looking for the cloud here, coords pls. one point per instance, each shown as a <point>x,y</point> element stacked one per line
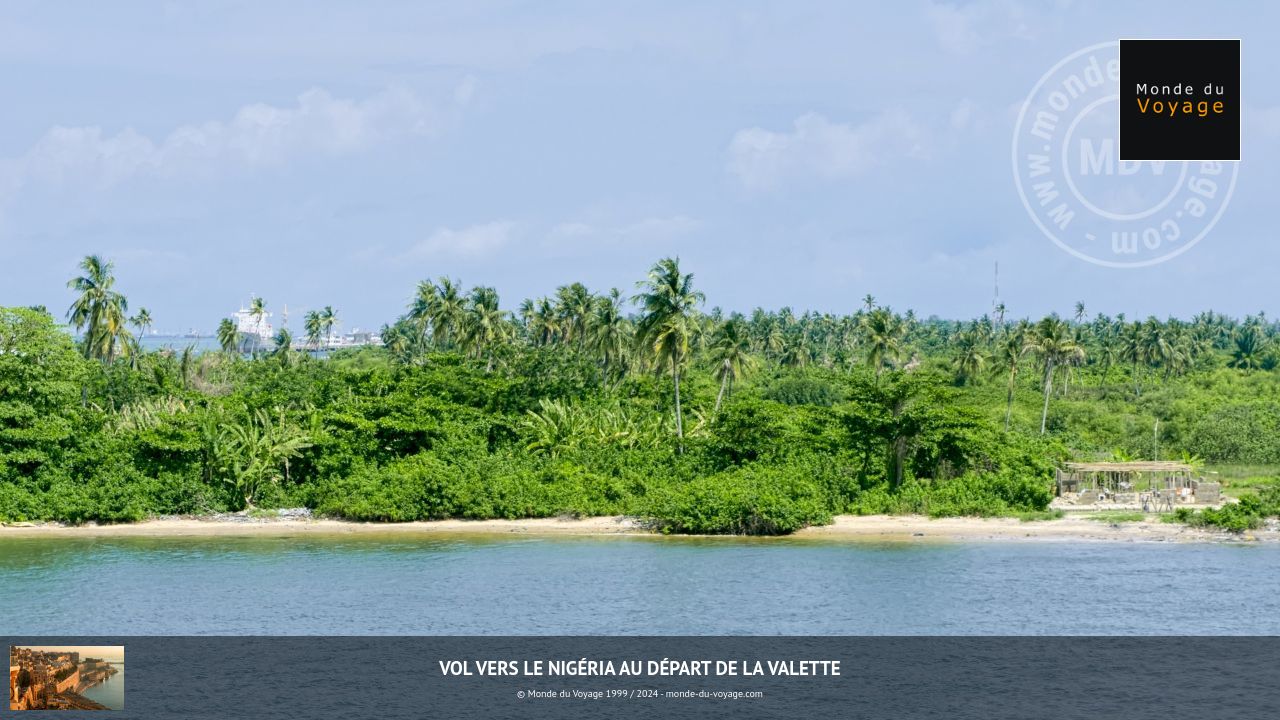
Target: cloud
<point>954,28</point>
<point>816,147</point>
<point>476,241</point>
<point>645,230</point>
<point>963,28</point>
<point>257,135</point>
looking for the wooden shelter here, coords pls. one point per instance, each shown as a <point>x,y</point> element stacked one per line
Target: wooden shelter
<point>1165,481</point>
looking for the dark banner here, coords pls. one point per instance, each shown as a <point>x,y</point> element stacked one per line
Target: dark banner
<point>696,677</point>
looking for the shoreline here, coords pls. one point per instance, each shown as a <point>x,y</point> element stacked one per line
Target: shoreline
<point>850,528</point>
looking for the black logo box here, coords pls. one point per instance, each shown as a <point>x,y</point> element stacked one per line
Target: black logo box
<point>1186,67</point>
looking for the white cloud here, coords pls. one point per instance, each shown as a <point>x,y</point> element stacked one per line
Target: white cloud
<point>962,28</point>
<point>647,229</point>
<point>817,147</point>
<point>257,135</point>
<point>476,241</point>
<point>954,27</point>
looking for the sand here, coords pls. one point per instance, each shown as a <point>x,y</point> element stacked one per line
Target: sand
<point>874,528</point>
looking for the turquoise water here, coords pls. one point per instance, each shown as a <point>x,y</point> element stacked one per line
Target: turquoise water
<point>110,692</point>
<point>626,585</point>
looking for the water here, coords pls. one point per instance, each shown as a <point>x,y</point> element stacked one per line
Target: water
<point>110,692</point>
<point>384,584</point>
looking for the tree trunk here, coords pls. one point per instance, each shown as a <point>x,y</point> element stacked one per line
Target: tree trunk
<point>1048,390</point>
<point>1008,412</point>
<point>724,382</point>
<point>675,374</point>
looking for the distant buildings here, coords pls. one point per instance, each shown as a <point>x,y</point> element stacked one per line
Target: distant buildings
<point>44,680</point>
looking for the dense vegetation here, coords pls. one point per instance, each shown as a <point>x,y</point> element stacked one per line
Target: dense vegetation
<point>588,404</point>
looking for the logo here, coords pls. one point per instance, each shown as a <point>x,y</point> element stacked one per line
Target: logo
<point>1082,196</point>
<point>1180,100</point>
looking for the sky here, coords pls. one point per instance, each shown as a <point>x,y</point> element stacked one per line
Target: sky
<point>110,653</point>
<point>791,154</point>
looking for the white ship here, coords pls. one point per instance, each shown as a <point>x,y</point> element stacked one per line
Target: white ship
<point>254,328</point>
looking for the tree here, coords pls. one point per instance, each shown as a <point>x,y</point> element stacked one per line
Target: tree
<point>608,331</point>
<point>421,309</point>
<point>256,452</point>
<point>1250,348</point>
<point>228,336</point>
<point>142,321</point>
<point>574,305</point>
<point>448,313</point>
<point>283,350</point>
<point>99,310</point>
<point>40,378</point>
<point>313,326</point>
<point>257,310</point>
<point>328,319</point>
<point>1011,350</point>
<point>668,304</point>
<point>970,358</point>
<point>882,336</point>
<point>1052,341</point>
<point>1135,349</point>
<point>484,324</point>
<point>730,355</point>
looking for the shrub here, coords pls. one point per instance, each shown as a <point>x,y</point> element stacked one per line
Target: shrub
<point>976,494</point>
<point>743,501</point>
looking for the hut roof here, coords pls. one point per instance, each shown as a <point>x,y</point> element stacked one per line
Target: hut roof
<point>1139,466</point>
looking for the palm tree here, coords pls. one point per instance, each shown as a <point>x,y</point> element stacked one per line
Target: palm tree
<point>142,321</point>
<point>313,325</point>
<point>541,322</point>
<point>574,304</point>
<point>883,333</point>
<point>448,313</point>
<point>668,304</point>
<point>730,353</point>
<point>484,324</point>
<point>328,318</point>
<point>608,330</point>
<point>1052,341</point>
<point>1011,350</point>
<point>258,311</point>
<point>422,309</point>
<point>228,336</point>
<point>970,360</point>
<point>1251,348</point>
<point>283,350</point>
<point>99,310</point>
<point>1134,349</point>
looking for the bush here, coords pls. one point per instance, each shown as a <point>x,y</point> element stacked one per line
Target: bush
<point>743,501</point>
<point>1248,514</point>
<point>978,494</point>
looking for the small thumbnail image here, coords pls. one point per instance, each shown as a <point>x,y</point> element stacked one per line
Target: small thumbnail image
<point>66,677</point>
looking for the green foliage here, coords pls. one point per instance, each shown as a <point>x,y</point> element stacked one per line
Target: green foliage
<point>742,501</point>
<point>805,390</point>
<point>40,385</point>
<point>1247,514</point>
<point>975,494</point>
<point>701,422</point>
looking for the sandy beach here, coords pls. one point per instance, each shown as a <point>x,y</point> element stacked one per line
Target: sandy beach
<point>872,528</point>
